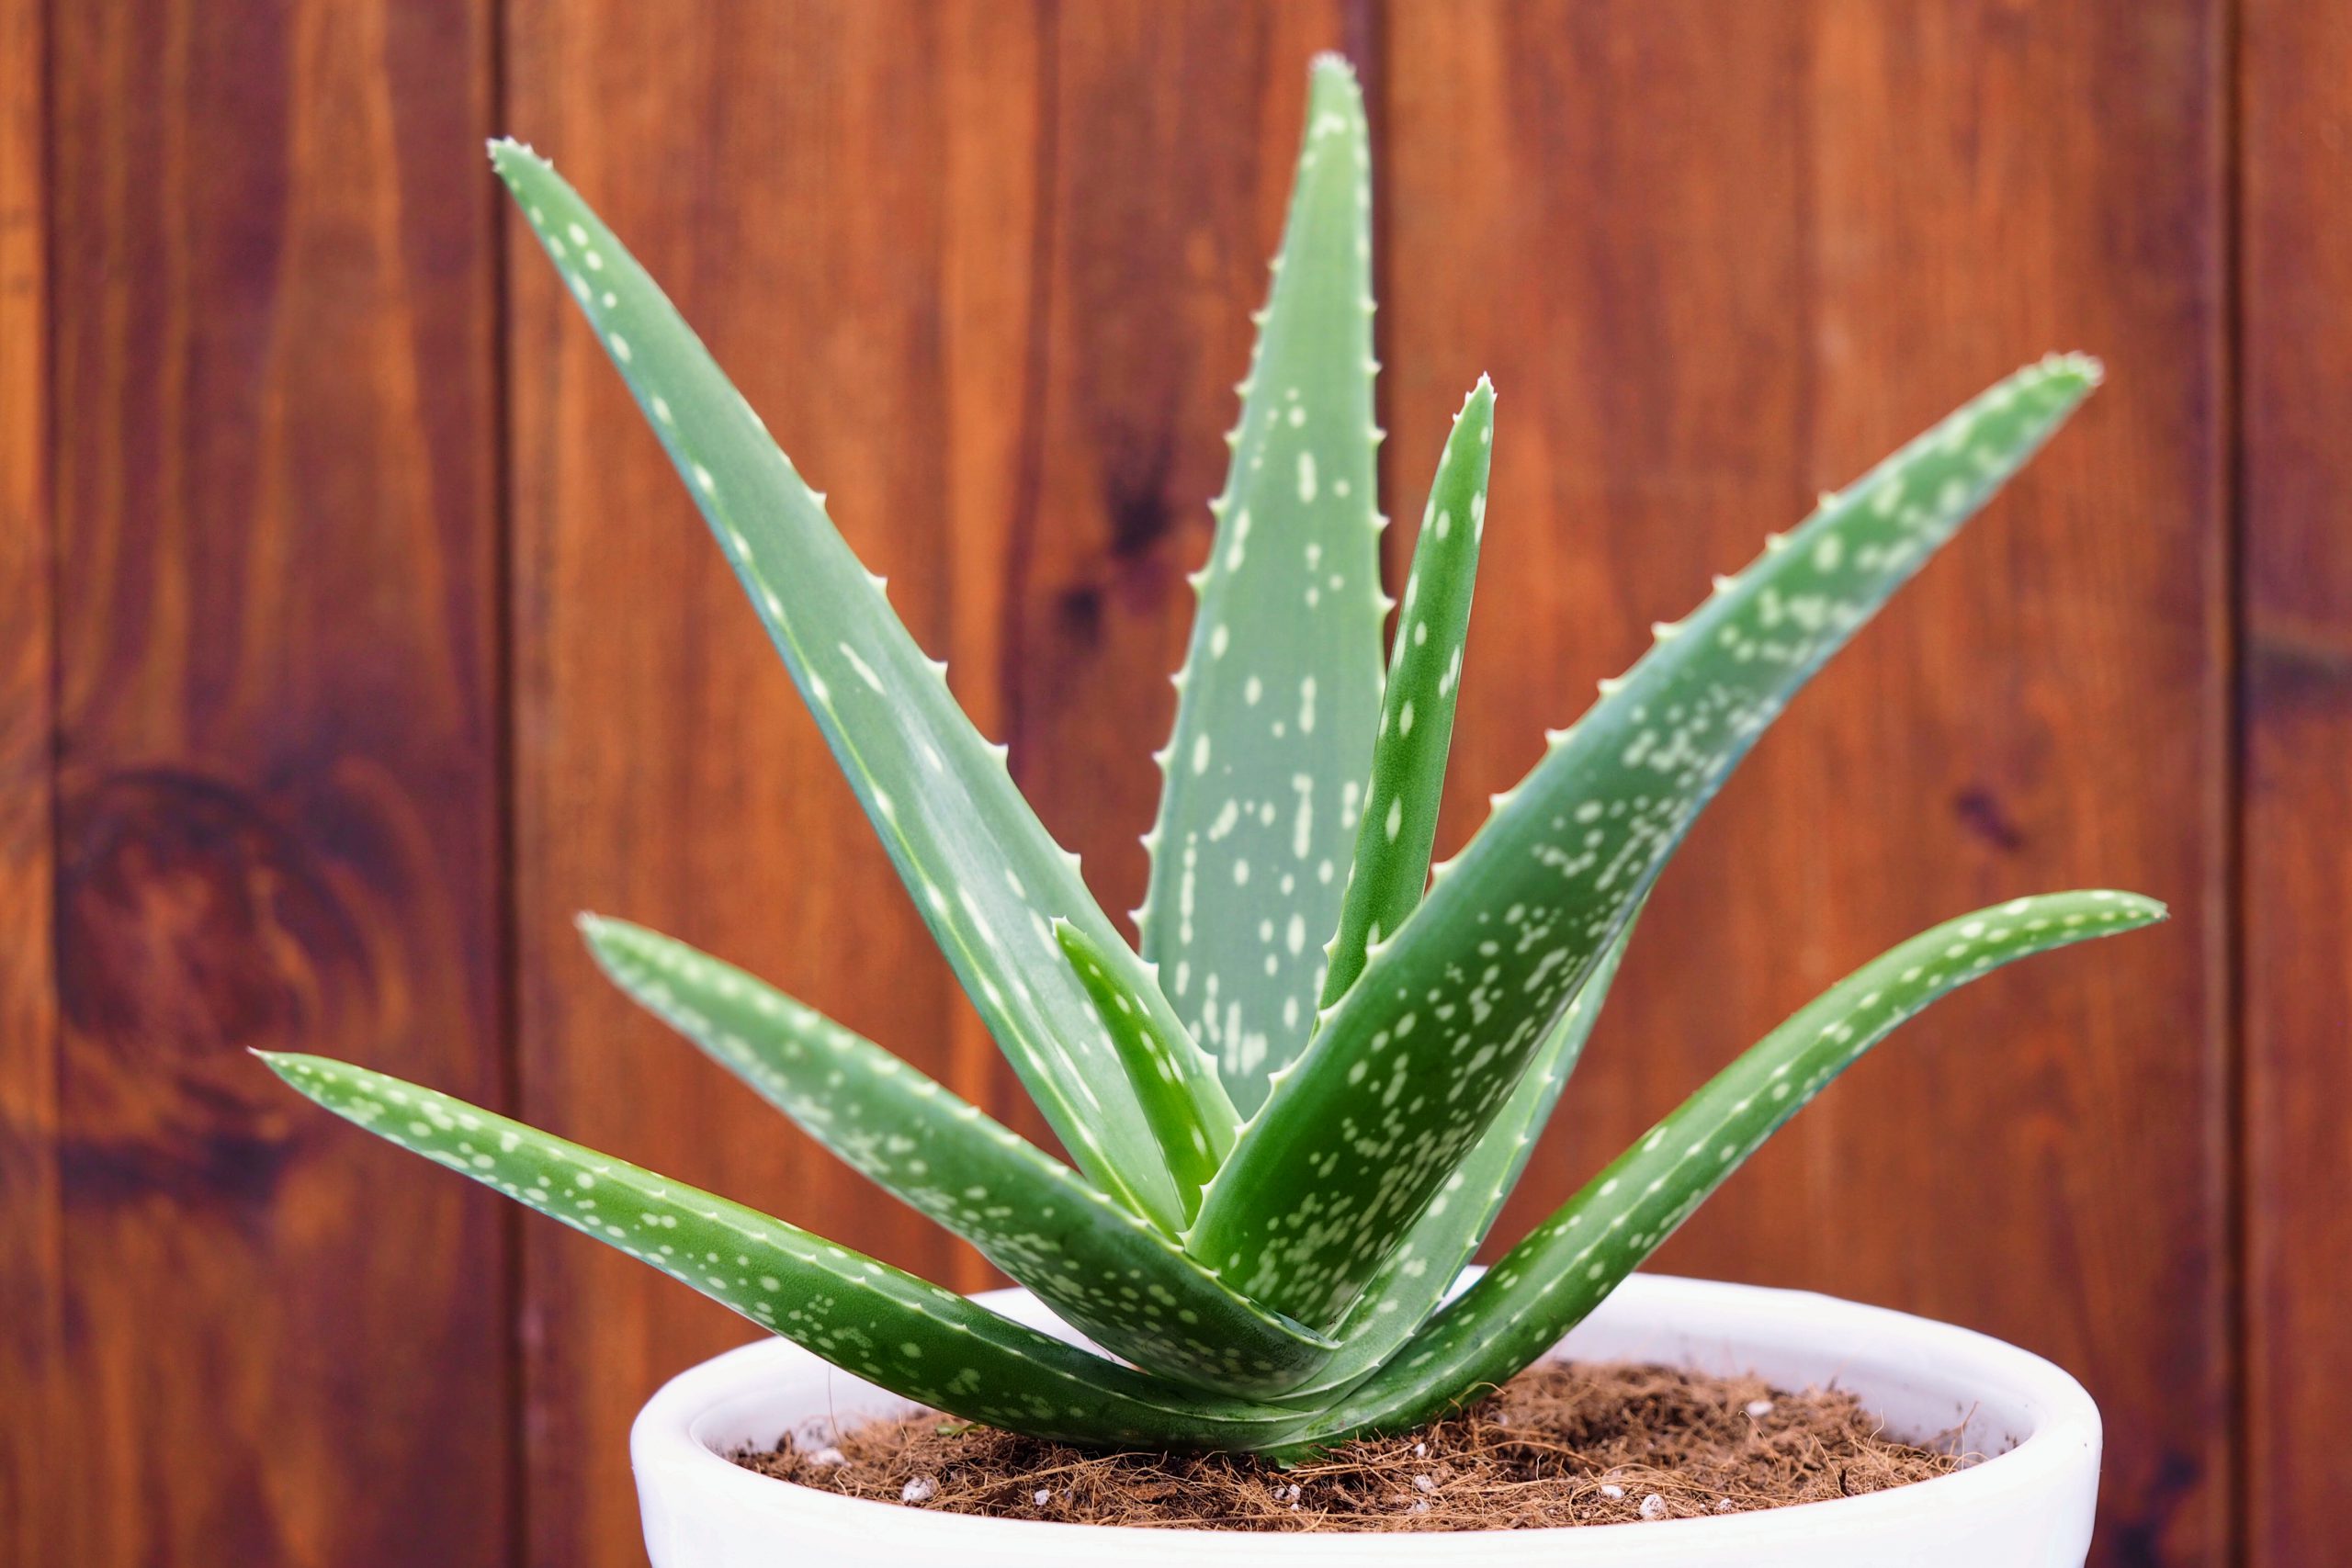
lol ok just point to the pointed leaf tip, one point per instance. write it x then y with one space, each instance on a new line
1334 72
1282 679
1397 825
967 845
1544 1286
923 1343
1577 843
506 153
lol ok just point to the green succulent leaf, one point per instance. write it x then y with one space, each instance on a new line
1548 1283
1411 1066
1415 1277
890 1327
984 874
1281 687
1103 1268
1191 1148
1399 821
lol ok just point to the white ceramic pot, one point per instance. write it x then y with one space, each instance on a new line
2027 1506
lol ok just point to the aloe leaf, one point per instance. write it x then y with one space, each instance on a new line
885 1326
1281 687
1548 1283
1399 821
1104 1270
1415 1061
1191 1148
1415 1277
983 872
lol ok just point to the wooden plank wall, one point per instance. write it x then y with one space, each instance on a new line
275 753
2295 82
32 1258
1697 326
352 634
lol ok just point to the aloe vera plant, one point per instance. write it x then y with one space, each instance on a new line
1294 1114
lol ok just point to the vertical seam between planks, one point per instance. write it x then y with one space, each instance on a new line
2227 955
1028 489
47 437
1029 474
507 918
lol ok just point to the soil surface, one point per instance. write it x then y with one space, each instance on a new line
1560 1444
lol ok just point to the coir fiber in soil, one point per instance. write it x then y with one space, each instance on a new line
1561 1444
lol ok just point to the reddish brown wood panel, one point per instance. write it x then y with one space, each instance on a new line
35 1499
1719 258
2296 287
276 577
841 197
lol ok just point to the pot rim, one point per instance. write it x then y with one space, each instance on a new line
2065 1427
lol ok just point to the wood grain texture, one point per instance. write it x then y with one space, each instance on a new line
1718 259
35 1499
276 795
2295 90
841 197
986 270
